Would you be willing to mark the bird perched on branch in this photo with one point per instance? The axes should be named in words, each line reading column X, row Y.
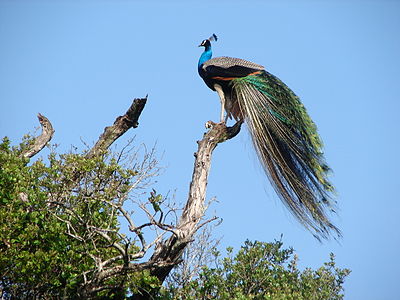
column 284, row 136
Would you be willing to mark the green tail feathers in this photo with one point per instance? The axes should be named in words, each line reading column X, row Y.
column 289, row 147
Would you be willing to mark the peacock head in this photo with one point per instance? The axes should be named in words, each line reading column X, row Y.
column 207, row 43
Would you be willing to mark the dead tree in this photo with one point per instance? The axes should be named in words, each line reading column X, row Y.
column 167, row 249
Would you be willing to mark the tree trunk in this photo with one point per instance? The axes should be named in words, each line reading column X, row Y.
column 168, row 253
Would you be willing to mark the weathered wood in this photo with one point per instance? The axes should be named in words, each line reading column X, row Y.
column 170, row 251
column 121, row 125
column 42, row 140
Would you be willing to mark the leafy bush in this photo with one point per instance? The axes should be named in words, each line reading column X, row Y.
column 59, row 231
column 263, row 271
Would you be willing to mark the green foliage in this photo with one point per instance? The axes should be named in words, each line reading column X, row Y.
column 58, row 221
column 60, row 230
column 263, row 271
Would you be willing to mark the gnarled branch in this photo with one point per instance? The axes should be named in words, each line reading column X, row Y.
column 121, row 125
column 170, row 251
column 42, row 140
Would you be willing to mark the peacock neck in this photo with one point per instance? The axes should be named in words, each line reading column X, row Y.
column 206, row 55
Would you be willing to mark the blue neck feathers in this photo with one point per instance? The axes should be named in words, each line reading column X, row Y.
column 206, row 55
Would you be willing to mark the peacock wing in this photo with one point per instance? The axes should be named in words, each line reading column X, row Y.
column 226, row 67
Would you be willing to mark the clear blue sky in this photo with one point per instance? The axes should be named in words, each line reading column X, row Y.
column 80, row 64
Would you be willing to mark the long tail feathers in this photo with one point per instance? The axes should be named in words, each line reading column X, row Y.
column 289, row 148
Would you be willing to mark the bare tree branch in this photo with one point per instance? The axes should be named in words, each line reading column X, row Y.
column 196, row 255
column 170, row 251
column 42, row 140
column 120, row 126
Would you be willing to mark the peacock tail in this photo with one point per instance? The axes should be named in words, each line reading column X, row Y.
column 289, row 148
column 284, row 136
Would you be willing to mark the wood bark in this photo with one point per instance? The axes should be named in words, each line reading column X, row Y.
column 42, row 140
column 168, row 253
column 121, row 125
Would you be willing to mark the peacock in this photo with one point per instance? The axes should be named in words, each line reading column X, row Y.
column 284, row 136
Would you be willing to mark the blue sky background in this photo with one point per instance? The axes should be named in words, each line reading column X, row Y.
column 81, row 63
